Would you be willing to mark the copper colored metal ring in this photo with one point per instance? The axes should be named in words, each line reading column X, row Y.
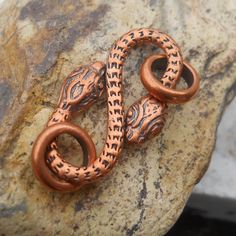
column 163, row 93
column 42, row 171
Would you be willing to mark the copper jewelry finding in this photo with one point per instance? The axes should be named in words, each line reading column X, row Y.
column 144, row 119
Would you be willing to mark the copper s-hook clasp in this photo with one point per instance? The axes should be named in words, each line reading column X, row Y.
column 144, row 119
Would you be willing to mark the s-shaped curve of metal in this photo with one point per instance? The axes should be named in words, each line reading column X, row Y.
column 81, row 89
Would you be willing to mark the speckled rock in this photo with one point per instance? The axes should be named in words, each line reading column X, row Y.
column 41, row 42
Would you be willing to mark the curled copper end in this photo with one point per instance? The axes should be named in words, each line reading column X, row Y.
column 40, row 157
column 164, row 93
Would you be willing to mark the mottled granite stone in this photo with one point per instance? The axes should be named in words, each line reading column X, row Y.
column 41, row 42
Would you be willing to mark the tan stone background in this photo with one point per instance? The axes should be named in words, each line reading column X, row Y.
column 41, row 41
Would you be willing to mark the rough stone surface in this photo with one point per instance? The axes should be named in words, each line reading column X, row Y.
column 222, row 167
column 41, row 41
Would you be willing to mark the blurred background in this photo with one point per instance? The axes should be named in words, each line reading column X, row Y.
column 211, row 209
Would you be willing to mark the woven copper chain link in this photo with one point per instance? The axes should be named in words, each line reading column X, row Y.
column 144, row 119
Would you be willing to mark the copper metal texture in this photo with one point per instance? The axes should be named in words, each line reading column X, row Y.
column 145, row 119
column 168, row 93
column 41, row 150
column 80, row 90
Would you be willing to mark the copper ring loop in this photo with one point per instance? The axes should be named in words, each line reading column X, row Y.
column 49, row 134
column 163, row 93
